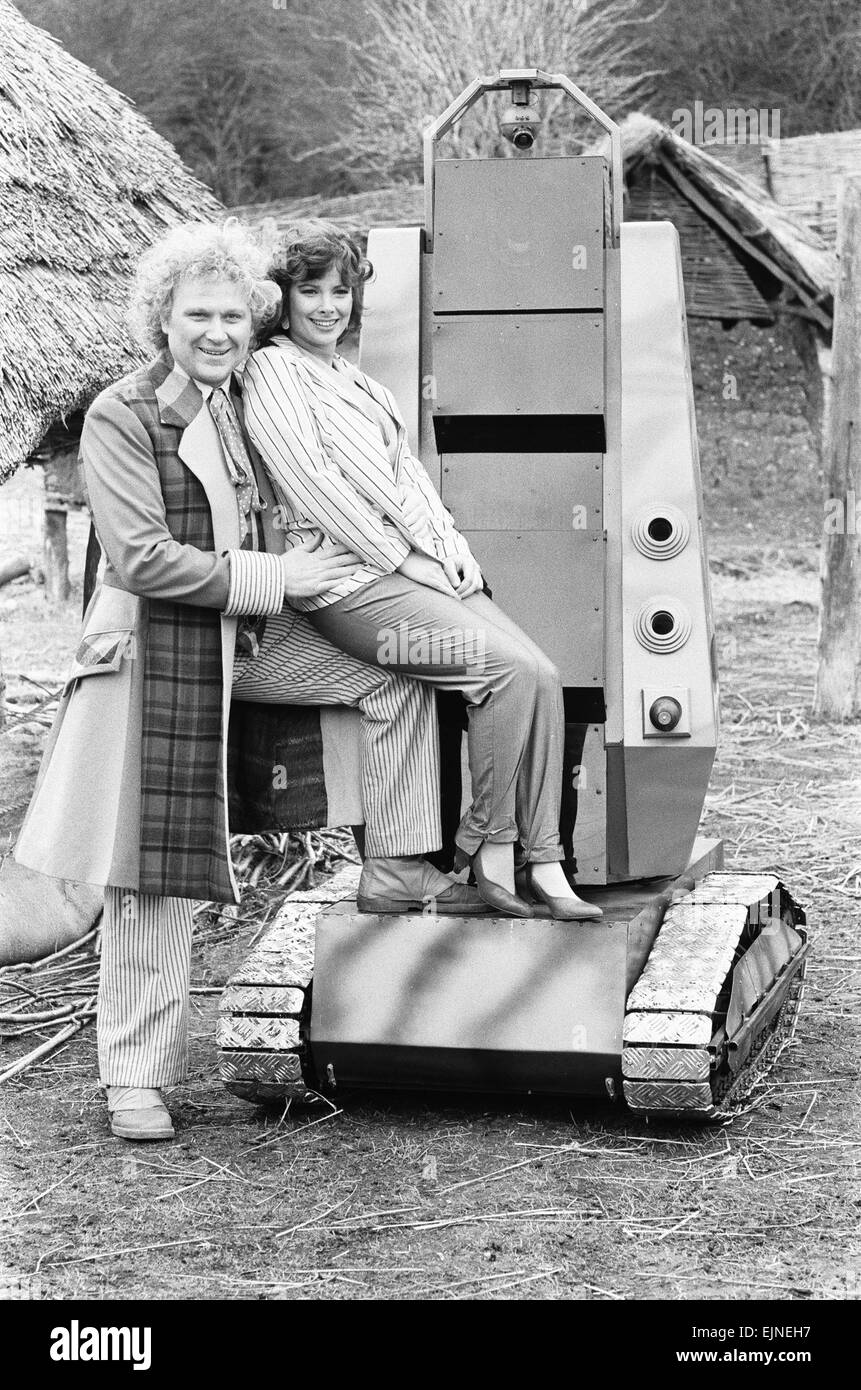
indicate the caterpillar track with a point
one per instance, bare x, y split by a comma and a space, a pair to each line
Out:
713, 1008
717, 999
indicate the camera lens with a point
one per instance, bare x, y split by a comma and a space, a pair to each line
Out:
523, 139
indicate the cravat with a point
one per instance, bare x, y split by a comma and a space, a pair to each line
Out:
239, 464
249, 632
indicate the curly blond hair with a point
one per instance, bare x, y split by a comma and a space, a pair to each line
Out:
228, 251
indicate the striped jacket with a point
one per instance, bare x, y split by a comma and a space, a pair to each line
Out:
319, 433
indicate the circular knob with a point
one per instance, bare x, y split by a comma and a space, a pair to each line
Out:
665, 714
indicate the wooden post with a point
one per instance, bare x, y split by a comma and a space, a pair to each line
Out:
838, 679
57, 586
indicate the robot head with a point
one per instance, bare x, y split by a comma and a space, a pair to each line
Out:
520, 121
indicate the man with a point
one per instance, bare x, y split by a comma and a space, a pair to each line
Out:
131, 793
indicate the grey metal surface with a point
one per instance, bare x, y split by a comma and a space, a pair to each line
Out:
667, 1063
530, 492
670, 1096
480, 1003
285, 1067
690, 959
538, 243
263, 1033
668, 1027
665, 785
509, 364
551, 584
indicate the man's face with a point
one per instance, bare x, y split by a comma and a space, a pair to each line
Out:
208, 328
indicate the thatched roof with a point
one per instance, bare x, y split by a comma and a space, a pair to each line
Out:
803, 174
760, 232
401, 205
85, 185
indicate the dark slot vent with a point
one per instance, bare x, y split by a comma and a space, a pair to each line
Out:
520, 434
584, 704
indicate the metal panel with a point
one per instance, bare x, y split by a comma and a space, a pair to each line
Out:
531, 492
669, 1096
467, 1002
666, 1063
390, 328
519, 234
283, 1067
551, 583
509, 364
589, 841
666, 785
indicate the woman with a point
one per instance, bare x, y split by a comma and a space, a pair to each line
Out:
133, 790
335, 448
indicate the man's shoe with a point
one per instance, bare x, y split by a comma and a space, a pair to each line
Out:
404, 885
138, 1113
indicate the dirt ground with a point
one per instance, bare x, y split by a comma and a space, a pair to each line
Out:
406, 1197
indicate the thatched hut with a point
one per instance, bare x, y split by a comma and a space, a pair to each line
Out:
85, 185
745, 257
759, 285
803, 174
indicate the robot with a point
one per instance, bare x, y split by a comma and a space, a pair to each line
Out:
538, 348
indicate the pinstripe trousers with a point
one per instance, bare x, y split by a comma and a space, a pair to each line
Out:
142, 1027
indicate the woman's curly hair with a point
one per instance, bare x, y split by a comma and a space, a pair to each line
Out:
306, 250
228, 251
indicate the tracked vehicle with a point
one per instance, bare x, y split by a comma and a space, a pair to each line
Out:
537, 346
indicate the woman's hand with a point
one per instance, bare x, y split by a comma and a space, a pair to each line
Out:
464, 574
307, 575
423, 570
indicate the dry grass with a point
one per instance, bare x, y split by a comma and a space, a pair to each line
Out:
442, 1197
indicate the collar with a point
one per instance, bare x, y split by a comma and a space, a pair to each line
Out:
343, 368
180, 398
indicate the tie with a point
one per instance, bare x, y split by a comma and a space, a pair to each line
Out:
249, 632
239, 464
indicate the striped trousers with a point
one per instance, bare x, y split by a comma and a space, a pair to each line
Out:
142, 1024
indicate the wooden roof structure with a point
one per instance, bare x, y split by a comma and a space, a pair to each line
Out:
744, 255
86, 184
803, 174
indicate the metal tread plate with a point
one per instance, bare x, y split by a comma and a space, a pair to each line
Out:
672, 1080
258, 1031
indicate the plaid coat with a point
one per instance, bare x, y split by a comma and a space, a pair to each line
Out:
133, 786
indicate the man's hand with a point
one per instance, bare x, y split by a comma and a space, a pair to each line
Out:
423, 570
307, 575
464, 575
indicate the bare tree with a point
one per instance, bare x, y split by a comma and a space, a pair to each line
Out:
805, 60
418, 54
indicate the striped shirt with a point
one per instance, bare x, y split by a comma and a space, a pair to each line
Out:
335, 448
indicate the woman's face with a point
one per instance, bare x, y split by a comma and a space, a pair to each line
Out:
318, 312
